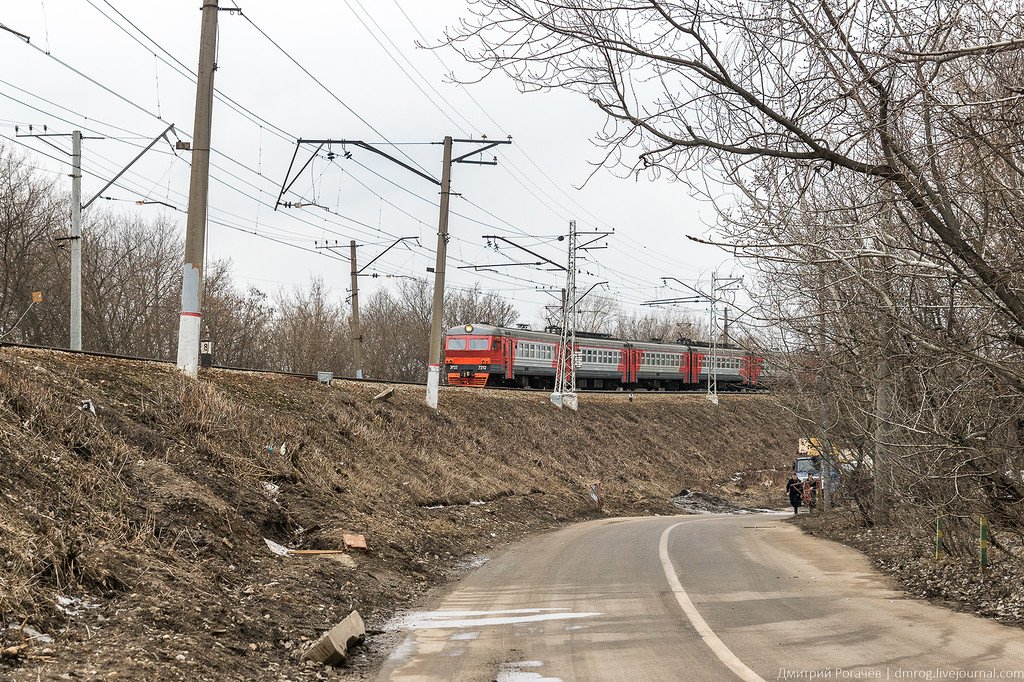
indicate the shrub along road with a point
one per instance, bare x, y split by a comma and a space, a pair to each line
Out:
700, 598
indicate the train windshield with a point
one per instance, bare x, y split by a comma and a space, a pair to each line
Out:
468, 343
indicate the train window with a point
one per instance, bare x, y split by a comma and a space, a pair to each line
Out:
494, 344
455, 343
478, 344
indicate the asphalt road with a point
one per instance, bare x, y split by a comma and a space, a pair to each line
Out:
692, 598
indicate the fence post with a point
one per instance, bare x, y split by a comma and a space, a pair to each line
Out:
938, 538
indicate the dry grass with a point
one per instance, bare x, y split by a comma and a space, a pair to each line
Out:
158, 500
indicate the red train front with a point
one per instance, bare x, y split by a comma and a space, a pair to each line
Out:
470, 358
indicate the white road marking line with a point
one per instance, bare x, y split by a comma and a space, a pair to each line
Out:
725, 655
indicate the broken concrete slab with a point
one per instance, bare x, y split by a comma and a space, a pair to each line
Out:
385, 394
354, 540
332, 648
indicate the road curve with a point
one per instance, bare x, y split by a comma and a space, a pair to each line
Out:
691, 598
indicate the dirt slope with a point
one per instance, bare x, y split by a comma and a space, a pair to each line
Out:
132, 527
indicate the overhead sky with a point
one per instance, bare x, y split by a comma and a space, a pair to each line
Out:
375, 85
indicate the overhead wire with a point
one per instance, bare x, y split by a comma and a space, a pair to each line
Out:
253, 115
326, 89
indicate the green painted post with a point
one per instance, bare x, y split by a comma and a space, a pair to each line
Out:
938, 538
984, 544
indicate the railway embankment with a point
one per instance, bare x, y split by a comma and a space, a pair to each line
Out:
136, 507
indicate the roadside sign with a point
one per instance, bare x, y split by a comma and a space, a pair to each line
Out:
37, 297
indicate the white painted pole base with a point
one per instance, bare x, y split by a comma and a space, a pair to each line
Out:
433, 384
188, 343
359, 374
568, 400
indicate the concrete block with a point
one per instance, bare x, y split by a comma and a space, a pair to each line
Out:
332, 648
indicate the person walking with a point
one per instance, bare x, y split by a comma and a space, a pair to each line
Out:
794, 488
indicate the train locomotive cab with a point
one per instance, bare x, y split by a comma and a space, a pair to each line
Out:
473, 353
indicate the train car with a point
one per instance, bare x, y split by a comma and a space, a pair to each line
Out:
485, 355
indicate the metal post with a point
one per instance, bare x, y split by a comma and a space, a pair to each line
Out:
357, 334
437, 312
712, 343
190, 322
983, 544
76, 240
564, 394
938, 538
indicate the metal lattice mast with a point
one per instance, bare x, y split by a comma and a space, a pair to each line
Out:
565, 380
713, 343
719, 285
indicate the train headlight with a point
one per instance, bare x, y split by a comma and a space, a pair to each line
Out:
469, 328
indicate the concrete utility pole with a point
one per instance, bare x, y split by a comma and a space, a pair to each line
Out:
825, 448
437, 310
354, 328
190, 322
357, 333
76, 240
77, 209
882, 466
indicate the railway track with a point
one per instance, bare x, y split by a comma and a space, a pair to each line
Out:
313, 377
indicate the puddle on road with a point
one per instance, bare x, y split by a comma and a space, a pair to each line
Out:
514, 672
463, 636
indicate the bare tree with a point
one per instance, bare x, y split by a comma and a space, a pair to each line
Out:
130, 285
663, 326
31, 215
462, 306
241, 323
310, 332
872, 153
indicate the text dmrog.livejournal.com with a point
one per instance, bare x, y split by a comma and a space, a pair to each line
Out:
900, 674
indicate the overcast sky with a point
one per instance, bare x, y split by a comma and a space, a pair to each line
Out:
355, 48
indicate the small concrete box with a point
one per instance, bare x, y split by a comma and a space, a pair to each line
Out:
332, 648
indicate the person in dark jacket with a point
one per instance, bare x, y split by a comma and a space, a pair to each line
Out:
794, 488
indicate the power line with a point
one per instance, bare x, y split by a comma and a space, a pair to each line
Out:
320, 83
178, 66
255, 172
